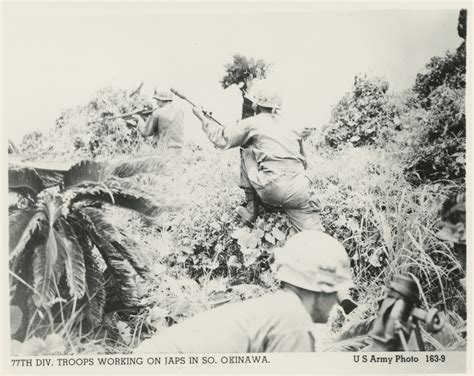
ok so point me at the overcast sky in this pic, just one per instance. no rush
(57, 55)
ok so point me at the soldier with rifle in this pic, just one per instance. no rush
(313, 268)
(166, 123)
(397, 326)
(273, 160)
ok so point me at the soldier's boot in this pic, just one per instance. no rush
(250, 213)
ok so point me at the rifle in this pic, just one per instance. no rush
(206, 113)
(127, 115)
(399, 318)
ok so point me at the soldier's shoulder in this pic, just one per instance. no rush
(157, 112)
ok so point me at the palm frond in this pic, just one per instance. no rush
(127, 247)
(138, 166)
(132, 253)
(43, 274)
(359, 328)
(50, 177)
(94, 299)
(124, 276)
(23, 225)
(120, 269)
(350, 344)
(127, 199)
(74, 261)
(49, 256)
(24, 180)
(85, 172)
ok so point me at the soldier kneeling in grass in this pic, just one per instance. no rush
(166, 123)
(313, 268)
(273, 160)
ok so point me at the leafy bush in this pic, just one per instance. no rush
(439, 147)
(438, 150)
(449, 71)
(35, 142)
(363, 115)
(243, 70)
(74, 137)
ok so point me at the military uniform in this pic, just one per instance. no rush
(276, 322)
(166, 124)
(272, 164)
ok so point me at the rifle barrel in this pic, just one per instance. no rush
(182, 96)
(122, 116)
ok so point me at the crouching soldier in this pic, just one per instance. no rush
(166, 123)
(273, 161)
(312, 267)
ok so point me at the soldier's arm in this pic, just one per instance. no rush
(229, 136)
(149, 127)
(225, 137)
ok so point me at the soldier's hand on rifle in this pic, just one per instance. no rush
(198, 112)
(133, 121)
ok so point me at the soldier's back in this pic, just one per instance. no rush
(274, 322)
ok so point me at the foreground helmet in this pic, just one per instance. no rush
(314, 261)
(265, 94)
(163, 95)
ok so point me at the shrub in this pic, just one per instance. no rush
(439, 147)
(362, 115)
(449, 70)
(243, 70)
(74, 137)
(439, 144)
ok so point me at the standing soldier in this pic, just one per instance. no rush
(273, 161)
(312, 267)
(166, 123)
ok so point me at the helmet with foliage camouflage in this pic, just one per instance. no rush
(163, 95)
(265, 93)
(314, 261)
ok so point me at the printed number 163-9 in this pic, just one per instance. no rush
(435, 358)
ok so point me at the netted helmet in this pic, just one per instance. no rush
(314, 261)
(265, 93)
(163, 95)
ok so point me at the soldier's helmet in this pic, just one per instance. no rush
(314, 261)
(265, 94)
(163, 95)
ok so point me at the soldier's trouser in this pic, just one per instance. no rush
(285, 187)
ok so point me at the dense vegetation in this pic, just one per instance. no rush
(382, 168)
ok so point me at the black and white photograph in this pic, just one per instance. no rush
(192, 182)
